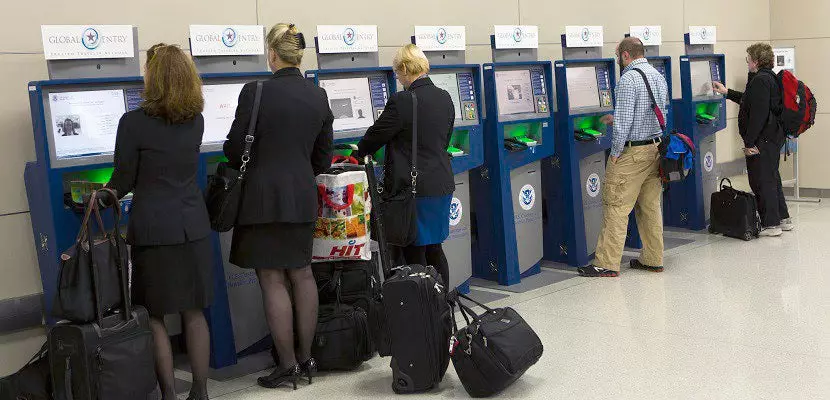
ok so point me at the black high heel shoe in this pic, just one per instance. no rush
(309, 369)
(278, 378)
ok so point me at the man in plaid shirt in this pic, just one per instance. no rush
(632, 179)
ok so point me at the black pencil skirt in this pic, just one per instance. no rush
(278, 245)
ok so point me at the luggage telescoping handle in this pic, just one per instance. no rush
(376, 217)
(122, 269)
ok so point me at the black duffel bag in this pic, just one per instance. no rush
(494, 350)
(32, 382)
(224, 189)
(342, 340)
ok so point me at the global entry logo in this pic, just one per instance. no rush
(703, 33)
(517, 34)
(90, 38)
(441, 36)
(646, 33)
(349, 36)
(586, 34)
(229, 37)
(527, 197)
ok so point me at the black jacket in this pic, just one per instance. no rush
(293, 144)
(760, 105)
(436, 119)
(159, 162)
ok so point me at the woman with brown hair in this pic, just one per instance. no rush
(157, 158)
(275, 227)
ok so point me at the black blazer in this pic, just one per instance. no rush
(759, 104)
(159, 162)
(436, 120)
(293, 144)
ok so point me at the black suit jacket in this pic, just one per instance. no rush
(293, 144)
(159, 162)
(436, 120)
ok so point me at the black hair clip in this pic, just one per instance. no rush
(301, 40)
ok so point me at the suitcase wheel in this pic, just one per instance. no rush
(748, 236)
(712, 229)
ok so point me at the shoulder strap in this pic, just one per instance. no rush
(414, 172)
(657, 111)
(249, 137)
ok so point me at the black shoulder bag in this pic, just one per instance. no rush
(224, 191)
(398, 209)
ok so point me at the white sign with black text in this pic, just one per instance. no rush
(703, 34)
(227, 40)
(347, 39)
(583, 36)
(437, 38)
(72, 42)
(650, 35)
(516, 36)
(784, 59)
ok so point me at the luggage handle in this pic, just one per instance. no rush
(725, 180)
(337, 207)
(376, 218)
(122, 273)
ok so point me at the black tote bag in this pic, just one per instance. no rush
(398, 209)
(224, 191)
(106, 255)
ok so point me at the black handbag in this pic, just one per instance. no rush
(494, 350)
(398, 209)
(75, 298)
(224, 192)
(32, 382)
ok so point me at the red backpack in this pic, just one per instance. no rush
(798, 112)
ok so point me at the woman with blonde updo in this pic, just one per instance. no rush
(435, 184)
(275, 227)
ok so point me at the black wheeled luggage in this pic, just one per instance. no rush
(418, 321)
(734, 213)
(109, 358)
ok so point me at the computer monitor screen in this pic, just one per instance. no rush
(220, 110)
(85, 123)
(583, 87)
(351, 102)
(514, 92)
(449, 82)
(701, 73)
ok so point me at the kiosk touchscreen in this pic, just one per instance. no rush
(575, 174)
(519, 133)
(699, 113)
(356, 99)
(220, 110)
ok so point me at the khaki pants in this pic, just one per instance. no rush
(633, 179)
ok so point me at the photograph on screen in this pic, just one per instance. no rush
(449, 82)
(583, 88)
(514, 92)
(701, 78)
(220, 110)
(350, 101)
(85, 123)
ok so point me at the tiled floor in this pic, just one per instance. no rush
(727, 320)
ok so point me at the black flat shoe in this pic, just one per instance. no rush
(592, 271)
(279, 378)
(309, 369)
(636, 264)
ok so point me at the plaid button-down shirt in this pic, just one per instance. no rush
(633, 116)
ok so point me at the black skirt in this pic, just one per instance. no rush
(174, 278)
(278, 245)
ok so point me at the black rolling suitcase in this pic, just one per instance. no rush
(418, 321)
(734, 213)
(109, 358)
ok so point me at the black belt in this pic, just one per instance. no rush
(635, 143)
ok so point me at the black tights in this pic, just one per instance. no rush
(431, 254)
(198, 351)
(282, 317)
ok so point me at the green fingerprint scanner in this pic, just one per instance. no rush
(454, 151)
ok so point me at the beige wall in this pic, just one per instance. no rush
(809, 33)
(740, 22)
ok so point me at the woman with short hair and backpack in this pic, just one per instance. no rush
(760, 128)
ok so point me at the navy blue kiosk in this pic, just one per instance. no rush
(519, 133)
(445, 47)
(573, 176)
(651, 36)
(700, 113)
(75, 159)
